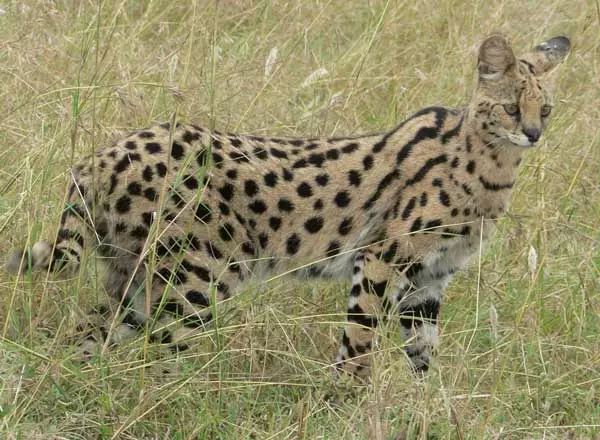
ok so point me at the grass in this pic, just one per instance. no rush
(520, 353)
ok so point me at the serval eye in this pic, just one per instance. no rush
(511, 109)
(545, 111)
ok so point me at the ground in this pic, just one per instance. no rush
(520, 352)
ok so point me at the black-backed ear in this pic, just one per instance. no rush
(548, 55)
(495, 58)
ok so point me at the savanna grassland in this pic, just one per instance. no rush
(520, 352)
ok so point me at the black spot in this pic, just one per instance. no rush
(224, 209)
(318, 205)
(165, 274)
(296, 142)
(314, 224)
(147, 218)
(150, 194)
(194, 321)
(238, 156)
(433, 224)
(190, 137)
(177, 151)
(227, 191)
(423, 200)
(345, 226)
(467, 212)
(278, 153)
(332, 154)
(120, 227)
(350, 148)
(190, 182)
(408, 209)
(176, 198)
(169, 216)
(197, 298)
(293, 244)
(471, 167)
(123, 164)
(161, 169)
(217, 160)
(368, 162)
(467, 189)
(250, 188)
(455, 162)
(316, 159)
(173, 307)
(274, 223)
(261, 153)
(153, 147)
(304, 190)
(212, 250)
(263, 239)
(322, 179)
(123, 205)
(148, 174)
(342, 199)
(232, 174)
(139, 232)
(239, 218)
(355, 290)
(130, 145)
(134, 189)
(333, 249)
(287, 175)
(444, 198)
(417, 225)
(454, 212)
(226, 232)
(203, 213)
(258, 206)
(248, 248)
(437, 182)
(285, 205)
(390, 254)
(354, 177)
(300, 163)
(271, 179)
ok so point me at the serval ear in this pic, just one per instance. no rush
(495, 58)
(547, 55)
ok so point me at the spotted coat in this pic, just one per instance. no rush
(190, 213)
